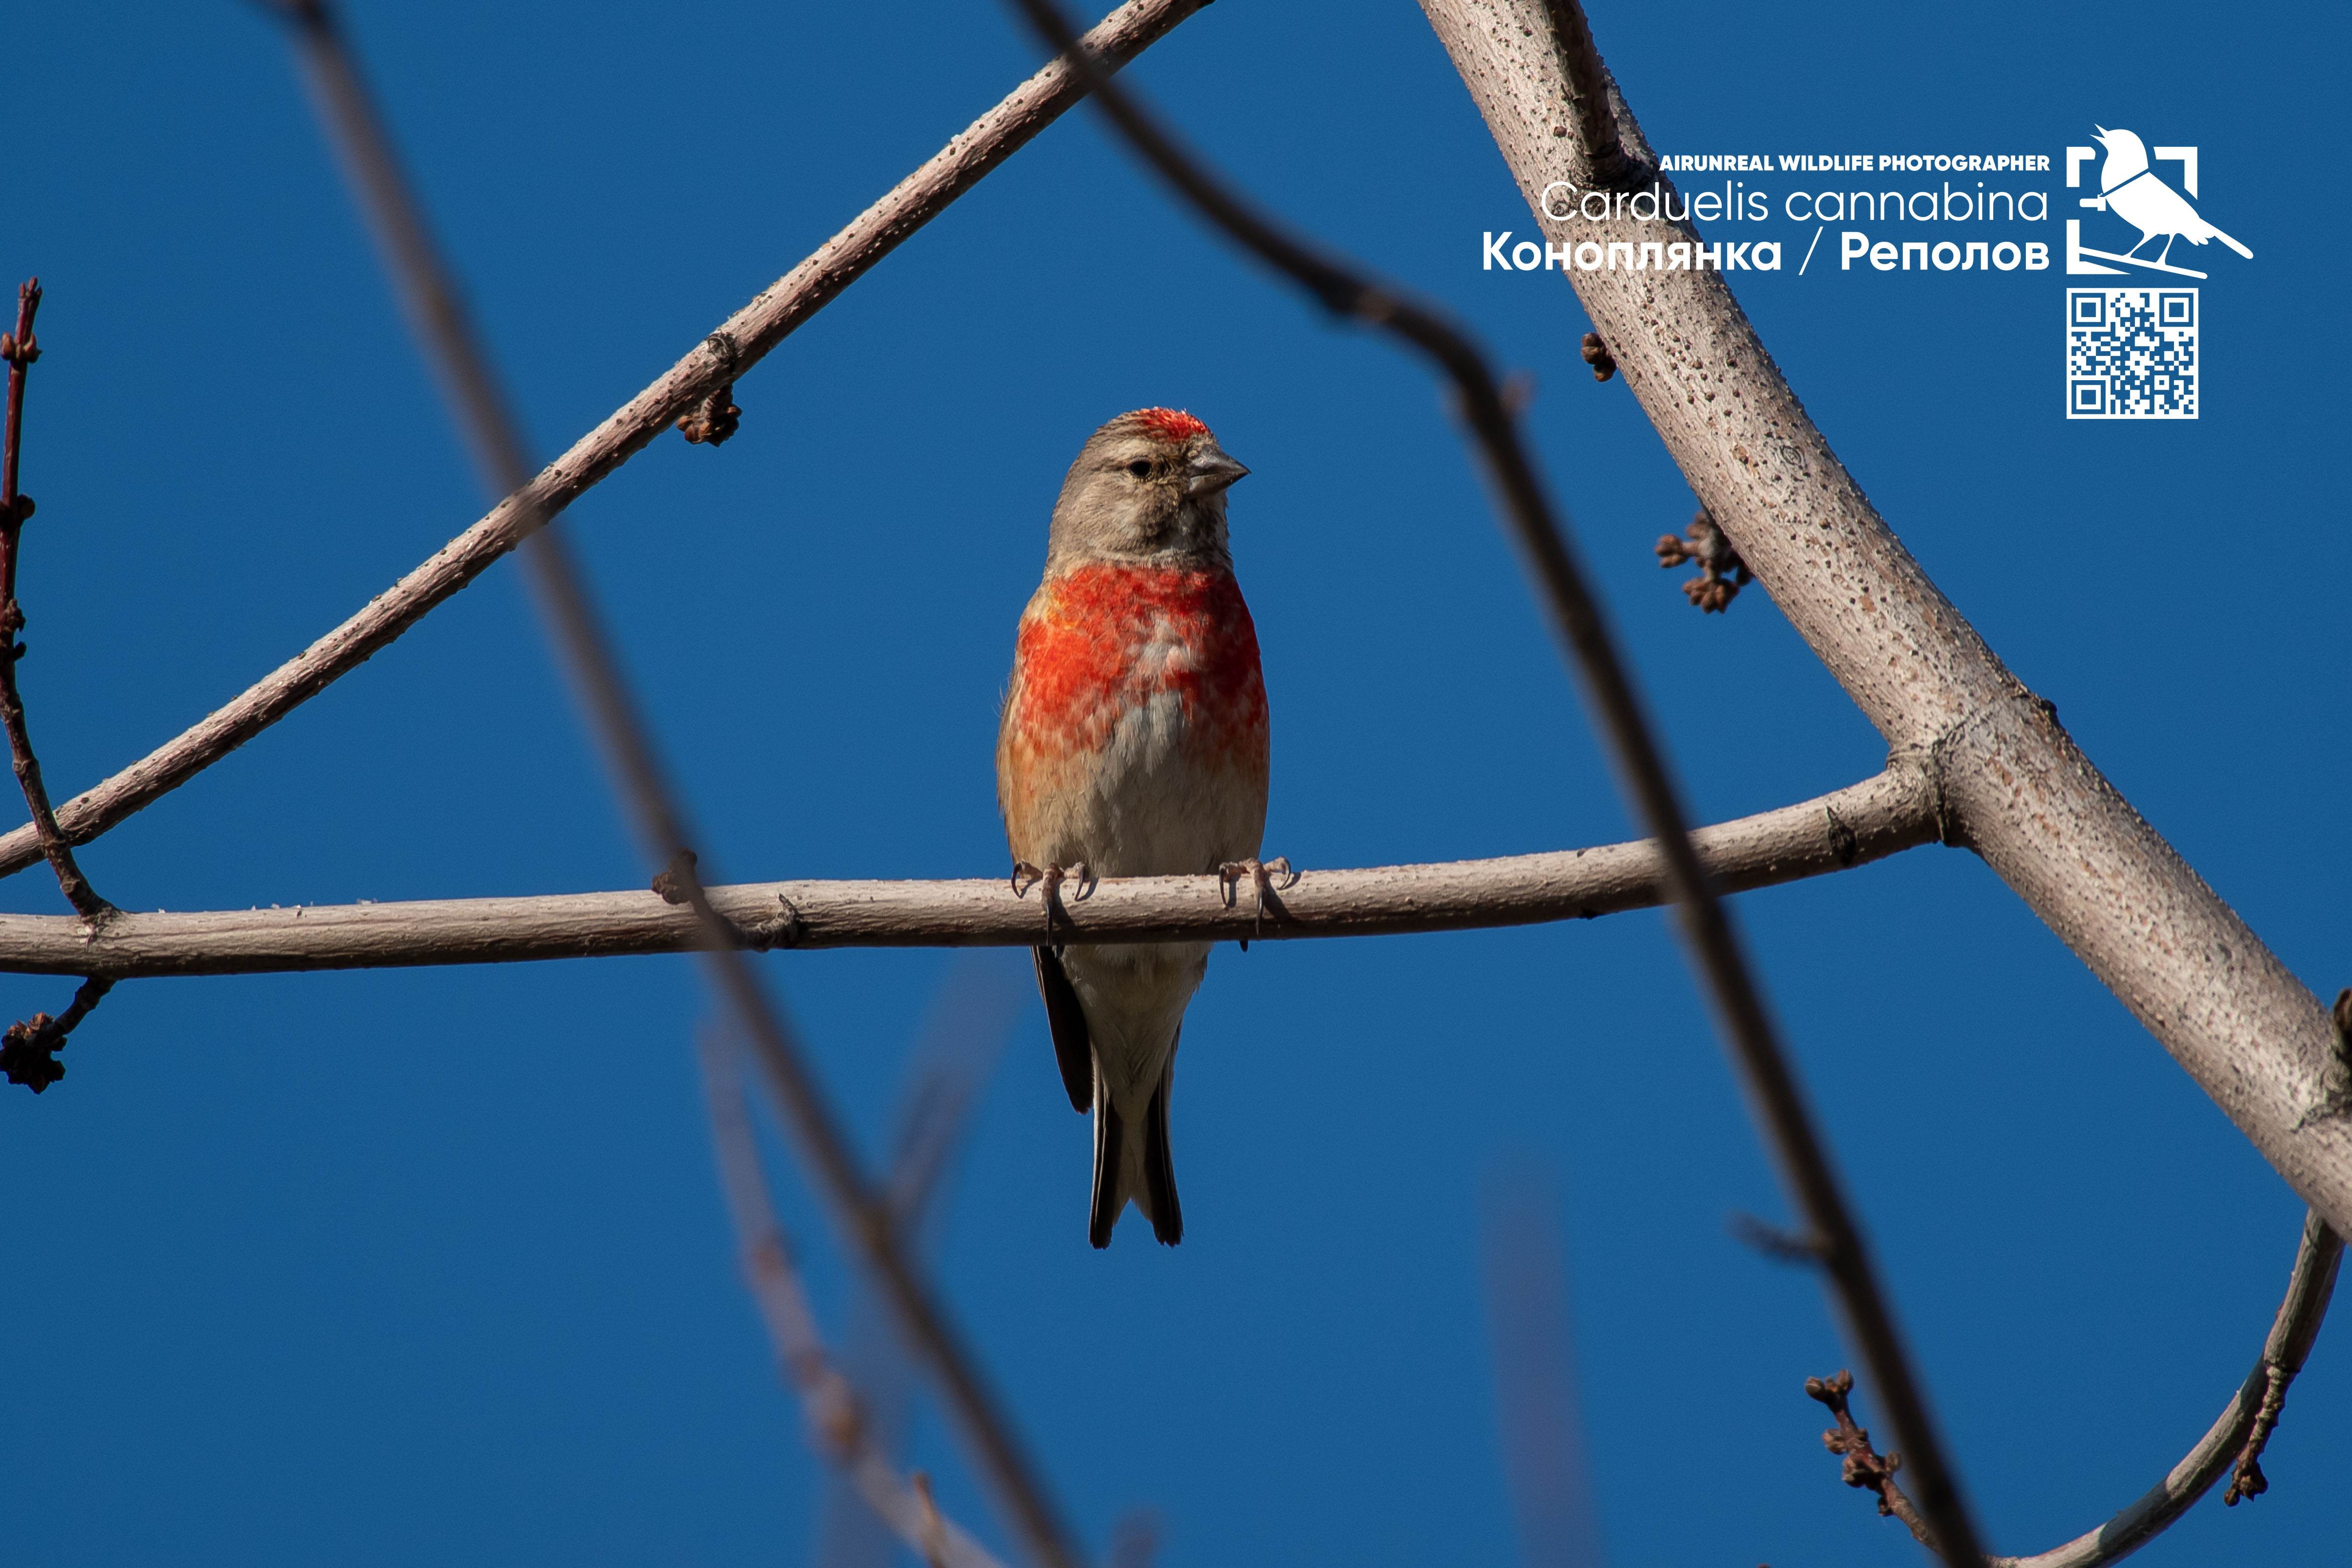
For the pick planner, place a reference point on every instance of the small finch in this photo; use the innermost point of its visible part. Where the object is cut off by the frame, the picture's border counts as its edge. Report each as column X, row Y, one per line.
column 1133, row 744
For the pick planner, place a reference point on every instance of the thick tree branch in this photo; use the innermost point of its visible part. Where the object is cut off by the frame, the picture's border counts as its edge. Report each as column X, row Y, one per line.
column 20, row 349
column 739, row 343
column 2014, row 786
column 1588, row 110
column 1851, row 827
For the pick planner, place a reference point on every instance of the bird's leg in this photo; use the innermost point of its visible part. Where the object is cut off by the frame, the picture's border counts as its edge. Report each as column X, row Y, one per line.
column 2164, row 255
column 1261, row 874
column 1051, row 879
column 2143, row 240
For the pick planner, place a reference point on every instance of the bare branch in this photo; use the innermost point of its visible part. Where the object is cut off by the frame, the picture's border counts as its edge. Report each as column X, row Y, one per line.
column 837, row 1422
column 2233, row 1442
column 445, row 333
column 1852, row 826
column 2015, row 788
column 1714, row 947
column 1863, row 1467
column 970, row 1019
column 20, row 349
column 721, row 359
column 2235, row 1439
column 1588, row 108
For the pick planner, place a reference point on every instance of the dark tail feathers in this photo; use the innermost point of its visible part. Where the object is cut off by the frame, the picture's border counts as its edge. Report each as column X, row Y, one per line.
column 1147, row 1175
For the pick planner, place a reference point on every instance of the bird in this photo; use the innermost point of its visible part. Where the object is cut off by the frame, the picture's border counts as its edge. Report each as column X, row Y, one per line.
column 2131, row 190
column 1133, row 742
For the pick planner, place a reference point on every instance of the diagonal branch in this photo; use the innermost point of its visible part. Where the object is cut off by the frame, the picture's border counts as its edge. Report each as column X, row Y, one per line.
column 1847, row 827
column 740, row 341
column 2014, row 786
column 838, row 1420
column 862, row 1213
column 20, row 349
column 1587, row 107
column 970, row 1019
column 1714, row 947
column 1863, row 1468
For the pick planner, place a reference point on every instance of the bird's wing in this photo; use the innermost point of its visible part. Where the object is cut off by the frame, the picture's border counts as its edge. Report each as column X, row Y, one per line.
column 1074, row 1049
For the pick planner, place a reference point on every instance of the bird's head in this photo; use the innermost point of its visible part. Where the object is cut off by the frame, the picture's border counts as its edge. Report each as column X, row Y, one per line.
column 2126, row 153
column 1149, row 483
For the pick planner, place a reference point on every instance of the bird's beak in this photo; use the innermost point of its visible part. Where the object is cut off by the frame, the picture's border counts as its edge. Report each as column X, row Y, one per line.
column 1210, row 471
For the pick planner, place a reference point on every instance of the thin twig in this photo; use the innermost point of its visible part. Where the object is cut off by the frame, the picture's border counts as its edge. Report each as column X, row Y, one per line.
column 2246, row 1479
column 1852, row 826
column 28, row 1050
column 739, row 343
column 837, row 1419
column 971, row 1018
column 1716, row 951
column 1863, row 1468
column 445, row 332
column 1770, row 1240
column 20, row 349
column 2233, row 1444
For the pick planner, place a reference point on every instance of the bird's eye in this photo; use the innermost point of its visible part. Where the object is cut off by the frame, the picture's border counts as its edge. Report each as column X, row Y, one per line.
column 1140, row 469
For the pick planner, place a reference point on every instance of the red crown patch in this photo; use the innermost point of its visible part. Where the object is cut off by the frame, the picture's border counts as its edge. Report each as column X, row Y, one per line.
column 1171, row 424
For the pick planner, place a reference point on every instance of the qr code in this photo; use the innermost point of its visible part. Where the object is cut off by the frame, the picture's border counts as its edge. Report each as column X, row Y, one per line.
column 2131, row 353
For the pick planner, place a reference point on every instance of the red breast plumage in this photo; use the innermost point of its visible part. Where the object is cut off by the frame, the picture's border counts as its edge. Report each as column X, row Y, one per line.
column 1101, row 642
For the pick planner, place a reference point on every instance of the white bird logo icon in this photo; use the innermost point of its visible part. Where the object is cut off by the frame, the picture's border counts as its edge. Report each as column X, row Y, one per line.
column 2131, row 190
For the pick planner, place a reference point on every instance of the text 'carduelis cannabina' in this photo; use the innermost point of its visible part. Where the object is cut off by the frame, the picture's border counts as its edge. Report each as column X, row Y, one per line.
column 1133, row 744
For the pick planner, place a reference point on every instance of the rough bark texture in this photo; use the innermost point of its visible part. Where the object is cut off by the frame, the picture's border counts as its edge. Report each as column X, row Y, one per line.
column 2012, row 784
column 1867, row 821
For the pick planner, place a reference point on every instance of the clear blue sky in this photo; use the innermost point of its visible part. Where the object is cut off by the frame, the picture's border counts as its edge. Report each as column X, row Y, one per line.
column 430, row 1266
